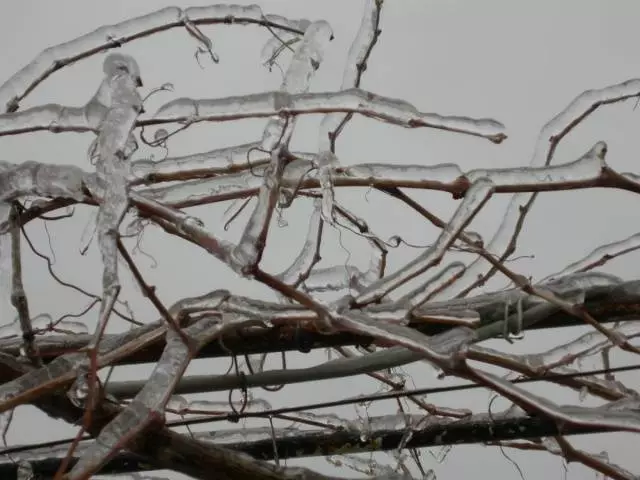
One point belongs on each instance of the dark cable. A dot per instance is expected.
(365, 398)
(395, 394)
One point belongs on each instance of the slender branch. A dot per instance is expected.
(18, 295)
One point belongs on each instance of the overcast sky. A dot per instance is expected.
(517, 62)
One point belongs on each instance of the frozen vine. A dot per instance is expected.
(388, 309)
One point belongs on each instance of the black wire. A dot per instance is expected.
(234, 417)
(397, 394)
(365, 398)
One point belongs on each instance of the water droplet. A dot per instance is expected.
(79, 391)
(584, 391)
(177, 403)
(161, 135)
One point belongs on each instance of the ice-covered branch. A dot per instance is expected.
(114, 36)
(355, 100)
(600, 417)
(18, 294)
(183, 224)
(474, 199)
(65, 368)
(148, 405)
(503, 242)
(38, 179)
(205, 164)
(588, 171)
(599, 462)
(367, 36)
(607, 297)
(115, 144)
(300, 268)
(52, 117)
(599, 256)
(275, 139)
(57, 118)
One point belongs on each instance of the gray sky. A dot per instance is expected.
(517, 62)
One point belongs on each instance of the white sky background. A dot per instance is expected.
(517, 62)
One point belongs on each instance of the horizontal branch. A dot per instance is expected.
(57, 118)
(588, 171)
(353, 100)
(605, 303)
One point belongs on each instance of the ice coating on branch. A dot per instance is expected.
(421, 294)
(109, 36)
(307, 257)
(209, 301)
(52, 117)
(334, 279)
(58, 118)
(38, 179)
(267, 311)
(624, 420)
(361, 44)
(65, 367)
(368, 466)
(474, 199)
(340, 277)
(180, 405)
(599, 462)
(225, 187)
(25, 472)
(274, 46)
(444, 173)
(7, 311)
(469, 318)
(631, 176)
(326, 162)
(588, 344)
(304, 63)
(239, 436)
(390, 110)
(275, 139)
(587, 167)
(445, 350)
(115, 144)
(223, 160)
(184, 224)
(599, 254)
(581, 281)
(555, 129)
(301, 173)
(357, 55)
(151, 400)
(41, 324)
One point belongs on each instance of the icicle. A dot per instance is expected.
(25, 471)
